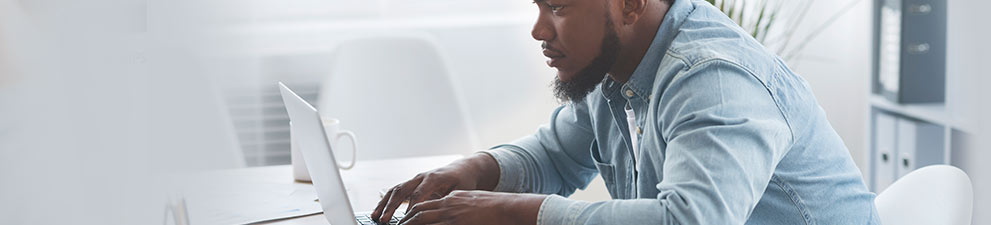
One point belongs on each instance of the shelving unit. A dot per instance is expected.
(911, 124)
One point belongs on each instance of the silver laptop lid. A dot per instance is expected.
(320, 162)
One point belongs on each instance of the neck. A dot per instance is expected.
(640, 35)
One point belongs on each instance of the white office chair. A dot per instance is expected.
(932, 195)
(396, 94)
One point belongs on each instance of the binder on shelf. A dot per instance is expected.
(884, 151)
(902, 144)
(930, 144)
(910, 52)
(907, 147)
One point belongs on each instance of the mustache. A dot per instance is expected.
(547, 46)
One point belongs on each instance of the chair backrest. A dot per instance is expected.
(396, 94)
(932, 195)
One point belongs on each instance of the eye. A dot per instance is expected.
(554, 8)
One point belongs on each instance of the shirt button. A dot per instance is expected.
(639, 131)
(629, 93)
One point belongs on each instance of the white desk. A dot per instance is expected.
(363, 182)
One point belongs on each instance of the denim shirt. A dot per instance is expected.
(728, 135)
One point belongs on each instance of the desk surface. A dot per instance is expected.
(363, 182)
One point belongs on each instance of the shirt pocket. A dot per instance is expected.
(607, 171)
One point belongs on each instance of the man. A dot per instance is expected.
(687, 119)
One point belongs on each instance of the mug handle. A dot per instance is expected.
(354, 148)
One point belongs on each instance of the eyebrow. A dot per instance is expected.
(538, 1)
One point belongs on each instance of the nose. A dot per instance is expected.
(542, 30)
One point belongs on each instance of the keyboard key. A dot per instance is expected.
(366, 220)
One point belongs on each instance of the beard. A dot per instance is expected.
(584, 82)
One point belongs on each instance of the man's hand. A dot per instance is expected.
(476, 207)
(477, 172)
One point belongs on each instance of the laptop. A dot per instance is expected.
(320, 162)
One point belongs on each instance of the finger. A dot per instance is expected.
(424, 217)
(399, 195)
(385, 200)
(423, 193)
(421, 207)
(460, 193)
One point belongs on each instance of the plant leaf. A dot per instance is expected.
(760, 18)
(732, 10)
(743, 13)
(770, 22)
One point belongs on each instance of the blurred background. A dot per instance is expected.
(99, 99)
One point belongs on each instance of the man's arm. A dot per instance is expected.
(724, 135)
(476, 172)
(555, 160)
(531, 164)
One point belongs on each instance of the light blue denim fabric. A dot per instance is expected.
(729, 135)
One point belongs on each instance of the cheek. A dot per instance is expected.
(582, 39)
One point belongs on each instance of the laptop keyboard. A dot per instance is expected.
(365, 220)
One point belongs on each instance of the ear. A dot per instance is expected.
(632, 10)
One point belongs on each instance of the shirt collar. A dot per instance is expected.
(642, 80)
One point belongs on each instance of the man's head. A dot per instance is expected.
(584, 39)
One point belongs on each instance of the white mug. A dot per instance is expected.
(332, 127)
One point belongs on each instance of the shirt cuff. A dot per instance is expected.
(511, 168)
(560, 210)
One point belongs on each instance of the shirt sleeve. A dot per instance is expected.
(725, 135)
(554, 160)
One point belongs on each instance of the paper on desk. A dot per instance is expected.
(251, 203)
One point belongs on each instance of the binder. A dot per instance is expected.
(884, 150)
(907, 147)
(910, 52)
